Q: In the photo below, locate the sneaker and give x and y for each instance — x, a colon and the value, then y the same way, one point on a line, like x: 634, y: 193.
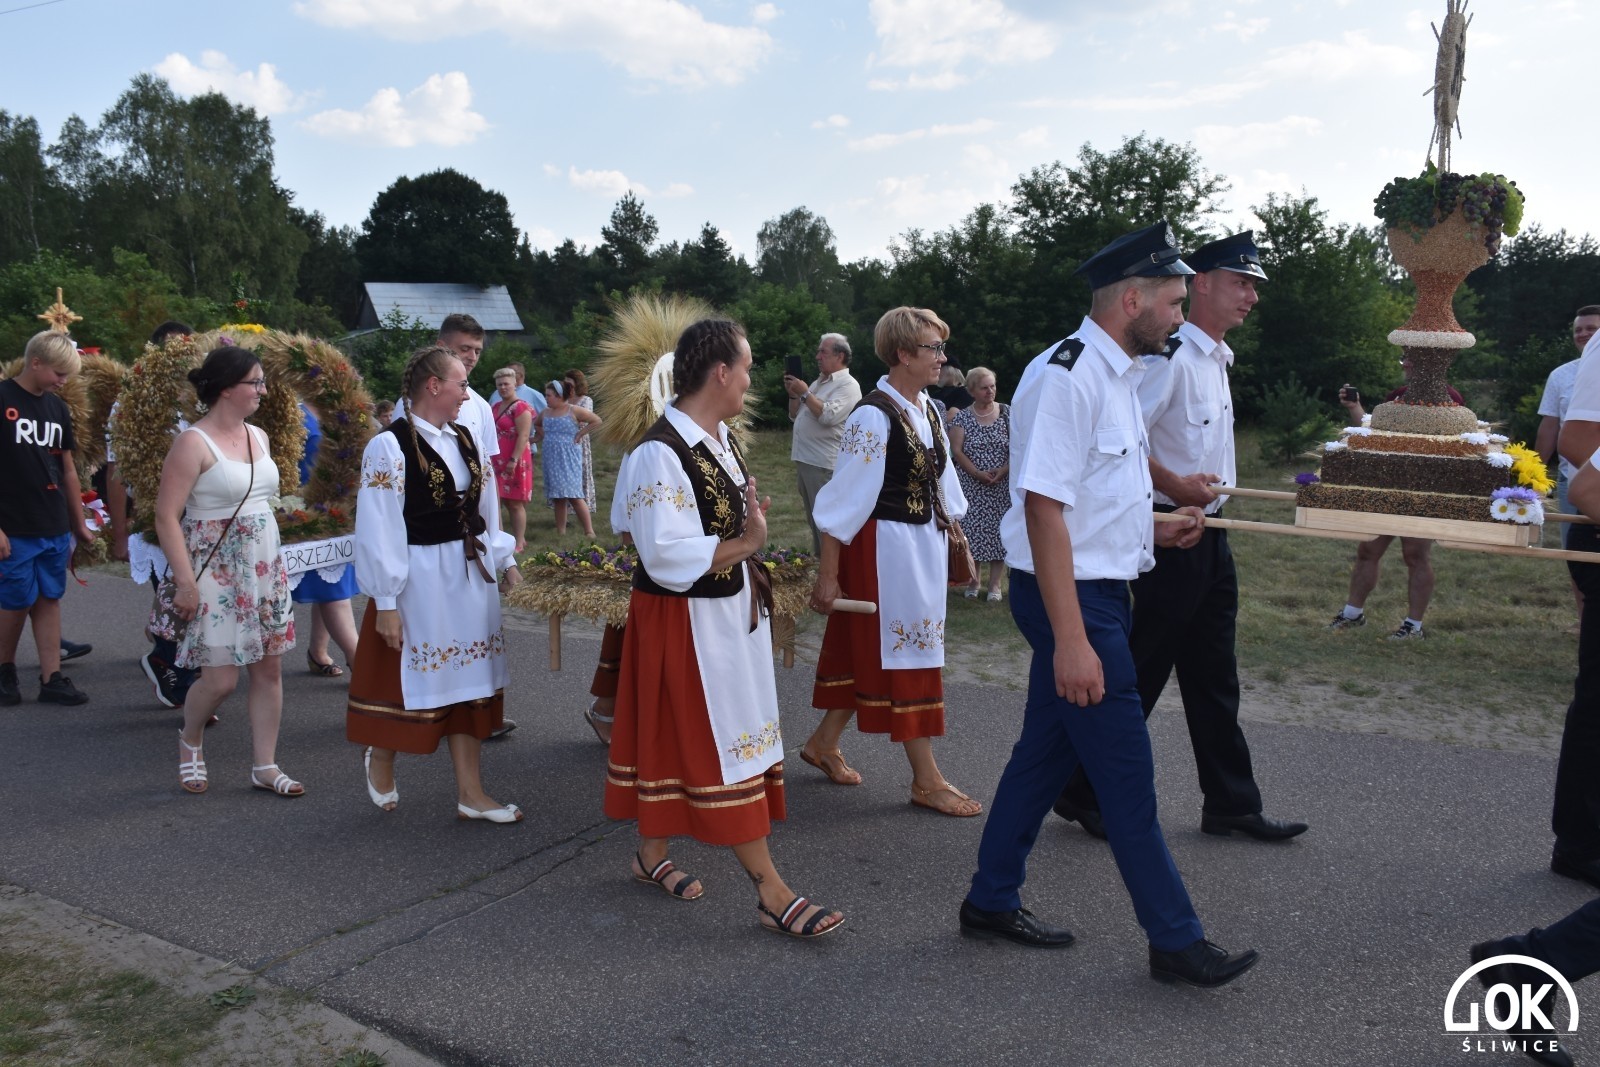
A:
x: 60, y: 690
x: 10, y: 688
x: 74, y: 649
x: 1406, y: 631
x: 1344, y: 622
x: 164, y: 677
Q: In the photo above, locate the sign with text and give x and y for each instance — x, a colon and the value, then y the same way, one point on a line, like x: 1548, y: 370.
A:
x: 304, y: 556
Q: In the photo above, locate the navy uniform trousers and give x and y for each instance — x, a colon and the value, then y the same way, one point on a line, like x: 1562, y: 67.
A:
x: 1575, y: 816
x: 1113, y: 744
x: 1571, y: 946
x: 1184, y: 615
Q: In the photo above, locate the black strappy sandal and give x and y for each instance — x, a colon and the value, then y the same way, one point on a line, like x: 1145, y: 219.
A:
x: 785, y: 923
x: 658, y: 875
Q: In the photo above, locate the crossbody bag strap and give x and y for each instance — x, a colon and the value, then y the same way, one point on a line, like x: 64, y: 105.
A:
x: 250, y: 453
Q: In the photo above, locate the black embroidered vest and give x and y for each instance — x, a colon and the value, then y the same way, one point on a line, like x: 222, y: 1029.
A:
x: 721, y: 505
x: 436, y: 513
x: 911, y: 469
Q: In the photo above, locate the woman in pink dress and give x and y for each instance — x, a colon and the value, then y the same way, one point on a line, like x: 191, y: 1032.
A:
x: 513, y: 467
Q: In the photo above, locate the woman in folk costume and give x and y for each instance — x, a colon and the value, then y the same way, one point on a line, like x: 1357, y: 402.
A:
x: 881, y: 518
x: 689, y: 755
x: 431, y: 660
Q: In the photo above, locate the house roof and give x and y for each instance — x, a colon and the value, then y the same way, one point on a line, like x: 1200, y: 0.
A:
x: 432, y: 301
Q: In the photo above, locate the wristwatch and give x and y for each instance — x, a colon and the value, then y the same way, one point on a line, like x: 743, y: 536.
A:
x: 805, y: 396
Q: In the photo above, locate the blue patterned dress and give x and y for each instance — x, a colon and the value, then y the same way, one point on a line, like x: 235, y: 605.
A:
x: 563, y: 457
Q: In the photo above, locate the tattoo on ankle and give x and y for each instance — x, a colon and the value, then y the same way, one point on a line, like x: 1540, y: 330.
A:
x: 756, y: 878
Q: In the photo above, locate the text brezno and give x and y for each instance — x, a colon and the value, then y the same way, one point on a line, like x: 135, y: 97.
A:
x: 43, y: 434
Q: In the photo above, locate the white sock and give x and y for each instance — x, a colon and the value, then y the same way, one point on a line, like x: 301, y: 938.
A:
x: 1351, y: 612
x: 1413, y: 623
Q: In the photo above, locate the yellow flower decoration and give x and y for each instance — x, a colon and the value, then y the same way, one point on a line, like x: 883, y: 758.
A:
x: 1529, y: 469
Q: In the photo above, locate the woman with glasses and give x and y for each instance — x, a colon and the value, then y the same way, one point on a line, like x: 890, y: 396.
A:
x: 229, y: 583
x: 431, y: 662
x: 882, y: 519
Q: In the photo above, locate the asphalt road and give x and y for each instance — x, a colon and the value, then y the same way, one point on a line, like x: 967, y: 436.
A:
x: 531, y: 944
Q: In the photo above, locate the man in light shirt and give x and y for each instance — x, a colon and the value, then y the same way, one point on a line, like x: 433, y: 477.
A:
x: 1185, y: 610
x: 818, y: 412
x: 1553, y: 409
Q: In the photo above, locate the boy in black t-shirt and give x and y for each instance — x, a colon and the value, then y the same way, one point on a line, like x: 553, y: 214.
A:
x: 41, y: 509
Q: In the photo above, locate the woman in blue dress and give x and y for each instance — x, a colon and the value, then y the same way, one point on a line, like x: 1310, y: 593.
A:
x: 560, y: 430
x: 331, y: 616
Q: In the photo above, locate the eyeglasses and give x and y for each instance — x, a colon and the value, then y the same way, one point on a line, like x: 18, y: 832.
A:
x: 258, y: 384
x: 937, y: 346
x: 462, y: 383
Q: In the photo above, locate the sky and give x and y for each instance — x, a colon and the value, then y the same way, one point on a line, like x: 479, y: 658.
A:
x: 880, y: 115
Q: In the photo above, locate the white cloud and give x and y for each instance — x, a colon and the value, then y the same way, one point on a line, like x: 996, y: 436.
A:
x: 1244, y: 29
x: 1154, y: 100
x: 653, y: 40
x: 1353, y: 55
x: 551, y: 170
x: 911, y: 197
x: 259, y: 88
x: 832, y: 122
x: 1034, y: 137
x: 880, y: 141
x: 935, y: 37
x: 1254, y: 136
x: 439, y: 112
x: 614, y: 183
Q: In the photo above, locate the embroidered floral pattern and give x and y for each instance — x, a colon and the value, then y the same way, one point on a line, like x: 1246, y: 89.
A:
x: 749, y: 747
x: 928, y: 633
x: 385, y: 474
x: 428, y: 658
x: 860, y: 441
x: 648, y: 496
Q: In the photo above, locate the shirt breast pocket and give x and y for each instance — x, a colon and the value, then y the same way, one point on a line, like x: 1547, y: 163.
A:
x: 1205, y: 423
x: 1116, y: 449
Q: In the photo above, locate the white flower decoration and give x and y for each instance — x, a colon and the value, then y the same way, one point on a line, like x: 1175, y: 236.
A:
x: 1500, y: 509
x: 1475, y: 438
x: 1358, y: 431
x: 1498, y: 459
x: 1498, y: 439
x: 1335, y: 446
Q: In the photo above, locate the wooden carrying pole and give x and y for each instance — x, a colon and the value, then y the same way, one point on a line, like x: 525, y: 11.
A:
x: 1277, y: 494
x: 1349, y: 535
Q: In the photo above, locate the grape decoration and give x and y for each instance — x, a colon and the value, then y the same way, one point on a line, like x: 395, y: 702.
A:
x: 1488, y: 200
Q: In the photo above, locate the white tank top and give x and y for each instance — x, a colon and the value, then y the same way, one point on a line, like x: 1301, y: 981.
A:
x: 221, y: 486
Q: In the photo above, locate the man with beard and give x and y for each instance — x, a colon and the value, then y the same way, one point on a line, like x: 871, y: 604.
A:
x: 1185, y: 609
x: 1079, y: 530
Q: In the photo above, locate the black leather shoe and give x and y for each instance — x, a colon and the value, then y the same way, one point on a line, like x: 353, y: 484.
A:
x: 1201, y: 964
x: 1088, y: 818
x: 74, y: 649
x: 1543, y: 1044
x: 1020, y: 926
x: 1257, y: 826
x: 1584, y: 870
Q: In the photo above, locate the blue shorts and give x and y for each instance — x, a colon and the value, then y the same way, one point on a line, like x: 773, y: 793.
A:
x: 35, y: 570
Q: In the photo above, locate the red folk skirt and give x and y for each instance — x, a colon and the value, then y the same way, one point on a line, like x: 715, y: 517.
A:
x: 904, y: 704
x: 663, y: 769
x: 376, y: 714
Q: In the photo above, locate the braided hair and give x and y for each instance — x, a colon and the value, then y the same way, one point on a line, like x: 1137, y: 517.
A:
x: 702, y: 346
x: 433, y: 361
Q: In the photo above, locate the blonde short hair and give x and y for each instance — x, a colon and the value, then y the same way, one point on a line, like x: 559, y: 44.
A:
x: 978, y: 374
x: 505, y: 372
x: 53, y: 348
x: 900, y: 330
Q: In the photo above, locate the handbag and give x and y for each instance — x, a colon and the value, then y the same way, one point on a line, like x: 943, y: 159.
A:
x: 963, y: 567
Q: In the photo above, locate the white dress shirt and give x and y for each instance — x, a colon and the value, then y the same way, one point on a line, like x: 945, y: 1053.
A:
x: 1188, y: 410
x: 1078, y: 436
x: 816, y: 437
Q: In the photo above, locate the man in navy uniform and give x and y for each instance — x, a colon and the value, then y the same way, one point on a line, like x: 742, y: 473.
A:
x: 1079, y: 529
x: 1184, y: 610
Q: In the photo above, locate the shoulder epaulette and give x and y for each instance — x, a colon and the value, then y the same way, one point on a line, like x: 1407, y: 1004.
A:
x: 1174, y: 343
x: 1067, y: 353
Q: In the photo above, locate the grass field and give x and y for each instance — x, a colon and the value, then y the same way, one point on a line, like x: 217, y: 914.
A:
x: 1496, y: 667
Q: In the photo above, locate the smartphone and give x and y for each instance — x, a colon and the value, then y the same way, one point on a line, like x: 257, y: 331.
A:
x: 791, y: 367
x: 1348, y: 395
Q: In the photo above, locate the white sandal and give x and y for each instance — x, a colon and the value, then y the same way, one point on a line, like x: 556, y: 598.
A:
x: 192, y: 772
x: 507, y: 814
x: 387, y: 801
x: 281, y: 784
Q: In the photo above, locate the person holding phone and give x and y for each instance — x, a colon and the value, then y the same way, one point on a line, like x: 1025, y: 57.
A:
x: 818, y: 412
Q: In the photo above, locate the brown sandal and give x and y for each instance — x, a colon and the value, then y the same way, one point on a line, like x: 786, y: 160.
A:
x: 920, y: 797
x: 833, y: 765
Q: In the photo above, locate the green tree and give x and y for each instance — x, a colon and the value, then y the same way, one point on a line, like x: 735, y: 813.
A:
x: 779, y: 321
x: 1325, y: 316
x: 120, y: 307
x: 706, y: 268
x: 438, y: 227
x: 381, y: 355
x: 797, y: 249
x: 626, y: 241
x: 330, y: 272
x: 33, y: 204
x: 190, y: 184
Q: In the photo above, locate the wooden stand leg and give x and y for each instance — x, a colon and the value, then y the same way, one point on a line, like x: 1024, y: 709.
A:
x: 783, y: 638
x: 555, y: 642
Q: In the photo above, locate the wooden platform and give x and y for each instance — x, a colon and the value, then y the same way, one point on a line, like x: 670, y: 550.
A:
x: 1457, y: 531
